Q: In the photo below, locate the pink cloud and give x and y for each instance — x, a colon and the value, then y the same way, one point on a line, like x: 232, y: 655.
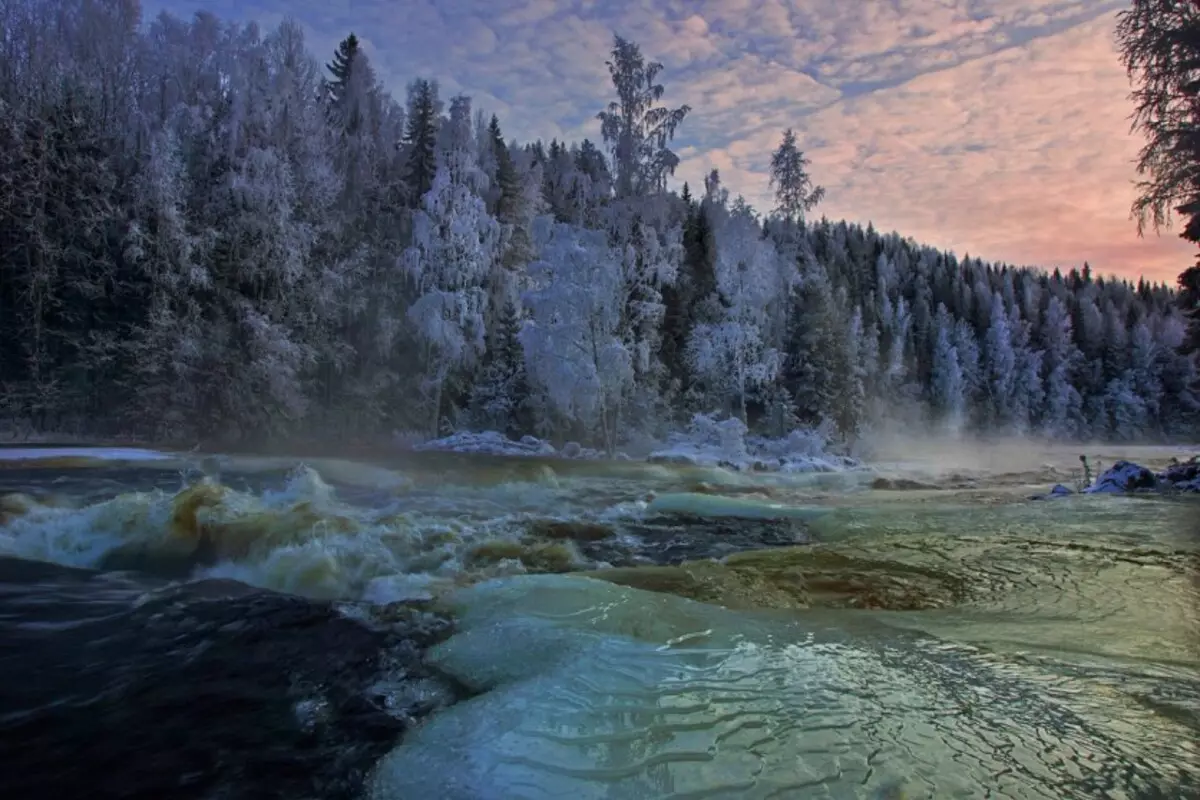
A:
x: 1022, y: 156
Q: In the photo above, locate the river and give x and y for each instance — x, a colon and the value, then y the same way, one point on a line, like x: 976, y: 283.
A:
x: 544, y: 628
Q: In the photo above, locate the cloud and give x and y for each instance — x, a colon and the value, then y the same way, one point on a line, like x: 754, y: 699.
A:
x: 997, y: 127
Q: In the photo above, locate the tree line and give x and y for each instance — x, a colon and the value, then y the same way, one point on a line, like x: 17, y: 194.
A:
x: 206, y: 233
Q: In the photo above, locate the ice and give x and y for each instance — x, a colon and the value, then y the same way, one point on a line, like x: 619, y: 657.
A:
x: 599, y: 691
x: 399, y: 588
x: 97, y: 453
x: 711, y: 506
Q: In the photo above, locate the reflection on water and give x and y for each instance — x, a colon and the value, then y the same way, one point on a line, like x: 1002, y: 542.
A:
x: 1046, y: 648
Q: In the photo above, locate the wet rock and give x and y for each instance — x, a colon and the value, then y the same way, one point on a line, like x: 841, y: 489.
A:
x: 834, y: 579
x: 804, y: 577
x: 900, y: 484
x: 14, y: 505
x: 535, y: 556
x: 1121, y: 477
x: 573, y: 530
x: 710, y: 582
x: 1058, y: 491
x: 1182, y: 477
x: 116, y: 689
x: 674, y: 538
x: 705, y: 487
x: 671, y: 459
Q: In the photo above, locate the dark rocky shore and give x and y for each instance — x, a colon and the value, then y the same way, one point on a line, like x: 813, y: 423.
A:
x: 1126, y: 477
x: 113, y: 688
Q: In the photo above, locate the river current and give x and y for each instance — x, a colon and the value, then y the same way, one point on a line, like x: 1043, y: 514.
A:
x: 543, y: 628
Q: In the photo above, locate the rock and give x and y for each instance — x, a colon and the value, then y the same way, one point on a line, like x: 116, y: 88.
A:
x: 900, y: 484
x: 204, y: 690
x: 710, y: 582
x: 670, y: 459
x: 1183, y: 477
x: 668, y: 539
x: 834, y: 579
x: 535, y: 556
x: 571, y: 450
x: 1058, y: 491
x: 798, y: 577
x: 574, y: 530
x: 1121, y: 477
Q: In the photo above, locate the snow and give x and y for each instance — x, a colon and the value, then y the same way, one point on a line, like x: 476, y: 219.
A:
x: 724, y: 443
x: 708, y: 443
x: 492, y: 443
x: 97, y: 453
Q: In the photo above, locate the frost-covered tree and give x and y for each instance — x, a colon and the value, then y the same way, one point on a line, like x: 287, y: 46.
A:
x: 729, y: 355
x: 1002, y: 365
x: 948, y: 391
x: 207, y: 232
x: 574, y: 351
x: 795, y: 192
x: 635, y: 127
x: 455, y: 243
x: 1063, y: 412
x: 500, y: 394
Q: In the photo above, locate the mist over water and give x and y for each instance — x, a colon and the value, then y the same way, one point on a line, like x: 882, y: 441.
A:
x: 950, y: 638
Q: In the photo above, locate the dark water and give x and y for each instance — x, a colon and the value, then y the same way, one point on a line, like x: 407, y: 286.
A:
x: 120, y: 687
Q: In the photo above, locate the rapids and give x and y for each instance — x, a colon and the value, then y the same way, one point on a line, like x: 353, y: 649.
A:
x: 635, y: 630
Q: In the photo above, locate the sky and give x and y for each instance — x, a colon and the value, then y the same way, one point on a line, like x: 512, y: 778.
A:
x: 998, y: 128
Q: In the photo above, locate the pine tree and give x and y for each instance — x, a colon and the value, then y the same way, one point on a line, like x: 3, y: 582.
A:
x: 500, y: 396
x: 420, y: 137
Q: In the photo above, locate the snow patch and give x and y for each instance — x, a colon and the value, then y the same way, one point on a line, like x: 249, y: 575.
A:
x: 494, y: 443
x: 490, y: 443
x: 709, y: 442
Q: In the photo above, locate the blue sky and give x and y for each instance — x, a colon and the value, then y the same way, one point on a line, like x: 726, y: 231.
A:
x: 994, y: 127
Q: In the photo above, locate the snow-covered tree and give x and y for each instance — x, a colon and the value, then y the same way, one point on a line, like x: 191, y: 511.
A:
x: 635, y: 127
x: 206, y: 231
x: 455, y: 243
x: 948, y: 390
x: 574, y: 351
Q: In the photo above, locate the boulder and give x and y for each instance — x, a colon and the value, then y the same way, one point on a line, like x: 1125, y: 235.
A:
x: 1122, y: 477
x: 1183, y: 477
x: 203, y: 690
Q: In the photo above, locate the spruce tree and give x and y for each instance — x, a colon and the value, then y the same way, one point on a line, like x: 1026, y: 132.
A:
x: 420, y: 137
x: 341, y: 66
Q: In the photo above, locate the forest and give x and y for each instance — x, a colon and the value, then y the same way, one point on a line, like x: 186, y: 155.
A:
x: 210, y: 233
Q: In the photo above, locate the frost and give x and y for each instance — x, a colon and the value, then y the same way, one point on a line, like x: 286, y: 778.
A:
x: 712, y: 442
x: 489, y: 443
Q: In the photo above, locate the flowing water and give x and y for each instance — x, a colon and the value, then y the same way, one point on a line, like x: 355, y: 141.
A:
x: 543, y: 629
